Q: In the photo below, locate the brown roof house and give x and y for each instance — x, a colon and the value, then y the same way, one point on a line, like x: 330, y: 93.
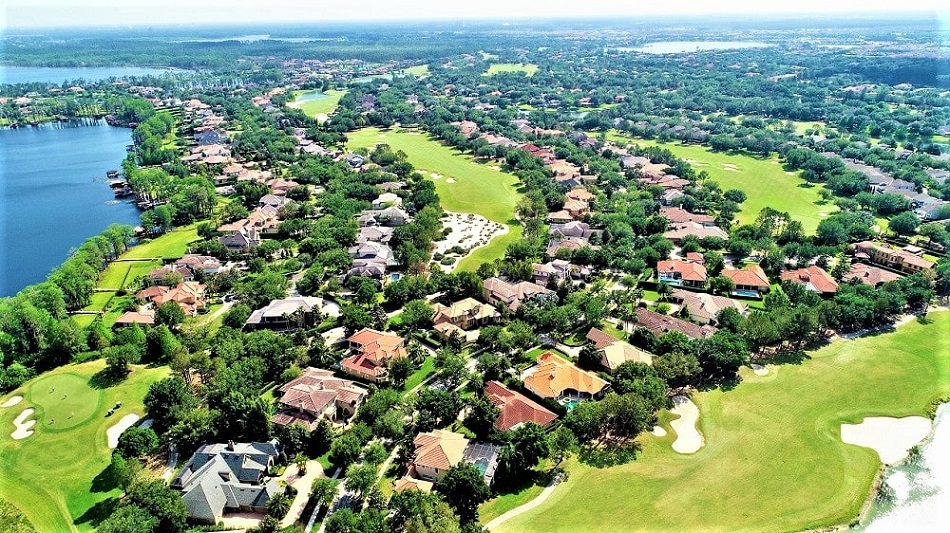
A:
x: 372, y: 352
x: 190, y: 296
x: 814, y: 278
x: 614, y: 352
x: 286, y: 313
x: 558, y: 379
x: 315, y: 395
x: 462, y: 315
x: 870, y: 275
x: 499, y: 292
x: 515, y: 408
x: 658, y: 324
x: 439, y: 450
x: 703, y: 307
x: 902, y: 260
x: 678, y: 272
x: 749, y: 281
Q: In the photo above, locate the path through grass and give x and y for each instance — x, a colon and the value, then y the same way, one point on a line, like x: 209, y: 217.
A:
x: 773, y: 459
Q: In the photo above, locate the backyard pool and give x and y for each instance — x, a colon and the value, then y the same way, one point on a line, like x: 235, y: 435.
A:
x: 746, y: 294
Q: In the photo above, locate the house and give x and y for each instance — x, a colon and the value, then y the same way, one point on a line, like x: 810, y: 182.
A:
x: 372, y: 352
x: 380, y: 234
x: 273, y: 201
x: 559, y: 270
x: 439, y: 450
x: 678, y: 215
x: 681, y: 273
x: 571, y: 244
x: 580, y: 195
x: 499, y: 292
x: 189, y: 267
x: 407, y: 482
x: 559, y: 379
x: 658, y: 324
x: 576, y: 208
x: 367, y: 269
x: 869, y: 275
x: 670, y: 196
x: 375, y: 252
x: 465, y: 314
x: 315, y: 395
x: 241, y: 240
x: 190, y: 296
x: 515, y: 409
x: 280, y: 186
x: 144, y: 318
x: 751, y: 279
x: 902, y: 260
x: 560, y: 217
x: 614, y: 352
x: 468, y: 128
x: 287, y: 313
x: 678, y: 232
x: 392, y: 216
x: 814, y: 278
x: 227, y: 477
x: 386, y: 199
x: 574, y: 229
x: 702, y: 307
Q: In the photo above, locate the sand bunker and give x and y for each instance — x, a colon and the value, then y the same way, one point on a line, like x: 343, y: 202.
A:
x: 120, y: 426
x: 890, y: 437
x: 435, y: 175
x: 468, y: 231
x: 759, y: 370
x: 726, y: 166
x: 23, y: 426
x: 658, y: 431
x: 688, y: 438
x: 450, y: 180
x: 11, y: 401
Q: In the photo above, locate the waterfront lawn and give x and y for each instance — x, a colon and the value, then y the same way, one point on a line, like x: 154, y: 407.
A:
x: 325, y: 105
x: 764, y: 180
x: 172, y: 245
x: 139, y: 269
x: 498, y: 68
x: 59, y: 476
x: 114, y: 275
x: 773, y: 458
x: 99, y: 300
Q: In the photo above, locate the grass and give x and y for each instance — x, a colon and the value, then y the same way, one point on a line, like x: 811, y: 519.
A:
x: 58, y: 477
x: 173, y: 244
x: 417, y: 377
x: 418, y: 70
x: 478, y: 189
x: 114, y: 275
x: 532, y: 355
x: 498, y: 68
x: 99, y: 300
x: 764, y: 181
x: 326, y: 105
x: 773, y: 459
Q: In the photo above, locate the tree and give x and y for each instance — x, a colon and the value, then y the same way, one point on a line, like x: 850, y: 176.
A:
x: 375, y: 454
x: 359, y: 479
x: 355, y: 318
x: 436, y: 408
x: 119, y: 360
x: 451, y: 366
x: 903, y: 223
x: 293, y: 437
x: 413, y: 511
x: 194, y: 428
x: 169, y: 314
x: 526, y: 448
x: 482, y: 414
x: 678, y: 369
x: 585, y: 421
x: 324, y: 490
x: 345, y: 450
x: 416, y: 314
x: 237, y: 316
x: 161, y: 502
x: 721, y: 285
x: 278, y: 505
x: 563, y: 443
x: 137, y: 442
x: 129, y: 519
x: 399, y: 371
x: 464, y: 488
x: 343, y: 521
x: 166, y: 401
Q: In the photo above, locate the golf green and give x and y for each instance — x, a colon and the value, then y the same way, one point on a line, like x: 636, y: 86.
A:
x: 62, y: 401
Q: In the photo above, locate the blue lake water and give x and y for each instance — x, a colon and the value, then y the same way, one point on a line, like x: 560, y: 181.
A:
x: 58, y: 75
x: 310, y: 95
x: 679, y: 47
x: 53, y: 195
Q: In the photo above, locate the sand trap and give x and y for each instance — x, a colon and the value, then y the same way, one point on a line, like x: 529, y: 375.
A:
x: 688, y: 438
x: 890, y: 437
x: 435, y: 175
x: 468, y: 231
x: 658, y: 431
x: 120, y: 426
x: 23, y: 425
x: 760, y: 370
x: 726, y: 166
x: 11, y: 401
x: 450, y: 180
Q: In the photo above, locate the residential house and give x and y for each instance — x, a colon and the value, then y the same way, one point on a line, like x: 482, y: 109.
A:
x: 280, y: 186
x: 558, y: 379
x: 439, y: 450
x: 515, y: 409
x: 465, y: 314
x: 869, y: 275
x: 367, y: 269
x: 902, y: 260
x: 814, y: 278
x: 559, y: 270
x: 468, y: 128
x: 574, y: 229
x: 227, y: 477
x: 560, y: 217
x: 748, y: 280
x: 286, y: 313
x: 576, y: 208
x: 682, y: 273
x: 678, y: 232
x: 189, y: 295
x: 386, y: 199
x: 316, y: 395
x: 372, y: 352
x: 703, y: 308
x: 273, y: 201
x: 658, y: 324
x: 614, y: 352
x: 499, y: 292
x: 373, y: 252
x: 241, y: 240
x: 678, y: 215
x: 380, y: 234
x: 392, y: 216
x: 189, y: 267
x: 670, y: 196
x: 144, y: 318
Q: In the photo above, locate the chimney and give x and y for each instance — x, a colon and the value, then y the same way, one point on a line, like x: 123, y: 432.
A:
x: 231, y: 445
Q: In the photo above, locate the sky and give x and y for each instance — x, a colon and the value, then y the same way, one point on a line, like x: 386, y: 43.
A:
x: 65, y: 13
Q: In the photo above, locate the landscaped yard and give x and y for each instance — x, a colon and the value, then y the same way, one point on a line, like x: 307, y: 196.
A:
x: 417, y: 377
x: 475, y: 188
x: 314, y: 103
x: 59, y: 475
x: 173, y: 244
x: 764, y: 181
x: 498, y: 68
x: 773, y: 458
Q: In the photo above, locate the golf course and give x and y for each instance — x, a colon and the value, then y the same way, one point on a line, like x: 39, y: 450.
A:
x: 314, y: 103
x: 764, y: 181
x: 463, y: 185
x: 499, y: 68
x: 773, y: 458
x: 58, y: 476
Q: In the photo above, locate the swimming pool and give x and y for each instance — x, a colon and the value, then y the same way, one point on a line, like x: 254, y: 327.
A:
x: 746, y: 294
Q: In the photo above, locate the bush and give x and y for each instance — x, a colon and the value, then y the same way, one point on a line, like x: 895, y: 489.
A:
x: 137, y: 442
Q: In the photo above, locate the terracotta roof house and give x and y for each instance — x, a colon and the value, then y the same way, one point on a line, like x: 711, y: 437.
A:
x: 145, y: 318
x: 465, y: 314
x: 749, y: 279
x: 286, y: 313
x: 680, y: 231
x: 558, y: 379
x: 658, y: 324
x: 576, y: 208
x: 408, y: 482
x: 499, y: 292
x: 515, y: 408
x: 614, y: 352
x: 814, y: 278
x: 373, y: 350
x: 188, y: 267
x: 190, y: 295
x: 581, y: 195
x: 568, y: 243
x: 678, y: 215
x: 869, y: 275
x: 280, y: 186
x: 439, y: 450
x: 315, y: 395
x: 703, y: 307
x: 227, y: 477
x: 560, y: 217
x: 468, y: 128
x: 681, y: 273
x: 901, y: 260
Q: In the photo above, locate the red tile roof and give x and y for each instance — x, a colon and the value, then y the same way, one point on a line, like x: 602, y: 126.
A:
x: 814, y: 276
x: 515, y: 408
x: 750, y: 276
x: 688, y: 271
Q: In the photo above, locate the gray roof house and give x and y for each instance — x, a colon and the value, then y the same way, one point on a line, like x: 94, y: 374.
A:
x: 286, y: 313
x: 221, y: 477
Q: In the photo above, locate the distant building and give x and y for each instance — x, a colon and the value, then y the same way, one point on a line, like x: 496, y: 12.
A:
x: 901, y: 260
x: 287, y: 313
x: 658, y: 324
x: 512, y: 295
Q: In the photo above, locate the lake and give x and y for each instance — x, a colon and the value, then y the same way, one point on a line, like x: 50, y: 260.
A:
x: 13, y: 74
x: 679, y: 47
x: 53, y: 195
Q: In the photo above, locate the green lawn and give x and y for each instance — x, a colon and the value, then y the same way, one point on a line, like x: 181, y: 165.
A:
x: 417, y: 377
x: 476, y: 188
x: 418, y: 70
x: 764, y: 181
x: 98, y: 301
x: 773, y: 459
x: 114, y: 275
x: 319, y: 106
x: 498, y: 68
x: 58, y: 476
x: 173, y: 244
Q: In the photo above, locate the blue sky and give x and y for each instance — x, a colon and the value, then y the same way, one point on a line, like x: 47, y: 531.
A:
x: 46, y: 13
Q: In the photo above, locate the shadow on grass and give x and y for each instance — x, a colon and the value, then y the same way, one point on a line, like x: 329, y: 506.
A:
x: 104, y: 481
x: 609, y: 455
x: 99, y: 512
x: 105, y: 379
x: 514, y: 484
x: 790, y: 357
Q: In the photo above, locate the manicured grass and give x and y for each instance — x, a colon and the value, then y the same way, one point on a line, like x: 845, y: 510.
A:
x: 500, y: 505
x: 139, y: 269
x: 98, y: 301
x: 418, y: 70
x: 114, y: 275
x: 498, y: 68
x: 173, y: 244
x: 764, y: 181
x: 58, y: 477
x: 532, y: 355
x: 318, y: 106
x: 417, y: 377
x: 477, y: 188
x: 773, y: 459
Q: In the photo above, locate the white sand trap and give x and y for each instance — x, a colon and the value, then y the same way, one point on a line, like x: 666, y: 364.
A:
x: 468, y: 231
x: 435, y: 175
x: 760, y: 370
x: 450, y: 180
x: 890, y: 437
x: 688, y: 438
x: 658, y: 431
x: 11, y: 401
x: 23, y: 425
x: 120, y: 426
x: 726, y: 166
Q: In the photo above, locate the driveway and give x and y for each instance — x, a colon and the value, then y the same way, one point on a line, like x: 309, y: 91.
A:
x: 302, y: 483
